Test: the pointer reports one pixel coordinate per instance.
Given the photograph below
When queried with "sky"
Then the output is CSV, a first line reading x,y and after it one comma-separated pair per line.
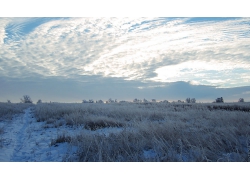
x,y
68,59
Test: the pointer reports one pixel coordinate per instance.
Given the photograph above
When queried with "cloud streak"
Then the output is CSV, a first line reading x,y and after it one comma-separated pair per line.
x,y
142,49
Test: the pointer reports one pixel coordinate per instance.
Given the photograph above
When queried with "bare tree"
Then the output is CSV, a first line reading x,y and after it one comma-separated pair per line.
x,y
39,101
241,100
26,99
193,100
99,101
110,100
188,100
85,101
136,100
91,101
8,101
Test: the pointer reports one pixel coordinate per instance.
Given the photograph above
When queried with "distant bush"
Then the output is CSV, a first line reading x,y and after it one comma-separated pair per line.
x,y
100,101
85,101
193,100
189,100
219,100
39,101
26,99
241,100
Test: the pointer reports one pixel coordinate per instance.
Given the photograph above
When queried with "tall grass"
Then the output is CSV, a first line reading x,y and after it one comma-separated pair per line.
x,y
154,131
7,110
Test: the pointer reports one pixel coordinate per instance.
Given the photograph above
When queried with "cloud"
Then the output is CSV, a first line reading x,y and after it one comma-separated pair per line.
x,y
58,89
139,49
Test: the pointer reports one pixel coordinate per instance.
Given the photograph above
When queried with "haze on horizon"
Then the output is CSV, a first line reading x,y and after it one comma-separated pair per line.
x,y
71,59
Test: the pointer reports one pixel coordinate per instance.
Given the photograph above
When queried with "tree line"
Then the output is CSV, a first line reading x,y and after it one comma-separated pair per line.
x,y
27,99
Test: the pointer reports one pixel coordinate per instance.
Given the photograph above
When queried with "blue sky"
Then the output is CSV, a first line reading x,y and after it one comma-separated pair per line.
x,y
70,59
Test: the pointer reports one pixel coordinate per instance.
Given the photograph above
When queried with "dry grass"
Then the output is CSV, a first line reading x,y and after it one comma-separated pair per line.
x,y
171,132
7,110
1,133
60,139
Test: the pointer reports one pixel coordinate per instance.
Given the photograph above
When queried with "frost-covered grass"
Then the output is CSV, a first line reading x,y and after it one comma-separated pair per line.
x,y
7,110
1,138
152,131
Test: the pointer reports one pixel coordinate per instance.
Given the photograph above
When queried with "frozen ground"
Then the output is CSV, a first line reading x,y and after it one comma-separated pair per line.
x,y
115,132
25,139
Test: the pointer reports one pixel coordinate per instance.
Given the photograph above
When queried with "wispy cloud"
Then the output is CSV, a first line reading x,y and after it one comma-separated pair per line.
x,y
142,49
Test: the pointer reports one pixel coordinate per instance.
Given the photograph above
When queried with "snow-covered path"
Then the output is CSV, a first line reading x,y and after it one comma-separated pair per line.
x,y
20,135
25,139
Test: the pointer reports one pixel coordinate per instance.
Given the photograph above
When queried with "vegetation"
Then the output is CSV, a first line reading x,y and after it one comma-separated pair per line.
x,y
26,99
153,131
7,110
241,100
146,131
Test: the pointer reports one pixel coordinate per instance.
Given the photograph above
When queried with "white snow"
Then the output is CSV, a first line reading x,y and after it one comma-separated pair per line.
x,y
25,139
149,154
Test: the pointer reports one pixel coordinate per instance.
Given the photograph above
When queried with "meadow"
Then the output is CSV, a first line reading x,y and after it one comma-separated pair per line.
x,y
145,132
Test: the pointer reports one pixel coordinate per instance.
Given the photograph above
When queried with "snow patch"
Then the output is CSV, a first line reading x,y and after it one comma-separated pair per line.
x,y
25,139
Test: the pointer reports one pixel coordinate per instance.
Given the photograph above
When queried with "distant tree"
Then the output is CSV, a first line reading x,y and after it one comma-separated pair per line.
x,y
91,101
8,101
99,101
193,100
145,100
122,101
179,101
165,101
110,100
39,101
188,100
219,100
26,99
85,101
136,100
241,100
153,100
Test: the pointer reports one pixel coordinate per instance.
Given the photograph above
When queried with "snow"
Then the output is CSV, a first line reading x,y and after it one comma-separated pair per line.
x,y
148,154
25,139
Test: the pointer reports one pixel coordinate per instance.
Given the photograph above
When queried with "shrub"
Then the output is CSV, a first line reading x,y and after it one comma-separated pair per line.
x,y
241,100
193,100
26,99
219,100
39,101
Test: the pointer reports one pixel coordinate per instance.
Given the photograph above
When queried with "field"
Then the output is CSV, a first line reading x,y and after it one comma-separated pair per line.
x,y
125,132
